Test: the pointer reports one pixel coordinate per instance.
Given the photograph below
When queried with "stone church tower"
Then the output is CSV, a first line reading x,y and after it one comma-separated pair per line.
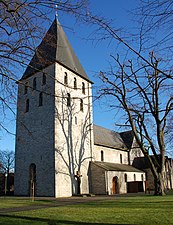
x,y
54,137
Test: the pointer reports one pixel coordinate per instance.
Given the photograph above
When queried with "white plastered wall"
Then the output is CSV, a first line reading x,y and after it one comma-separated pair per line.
x,y
135,151
121,180
81,137
110,155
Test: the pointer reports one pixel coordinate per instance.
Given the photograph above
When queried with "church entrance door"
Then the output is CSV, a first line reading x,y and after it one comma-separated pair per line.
x,y
115,185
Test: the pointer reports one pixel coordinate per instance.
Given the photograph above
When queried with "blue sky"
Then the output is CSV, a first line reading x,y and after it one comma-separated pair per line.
x,y
94,56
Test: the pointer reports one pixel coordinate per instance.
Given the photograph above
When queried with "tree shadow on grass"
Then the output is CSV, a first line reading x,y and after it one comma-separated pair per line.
x,y
48,221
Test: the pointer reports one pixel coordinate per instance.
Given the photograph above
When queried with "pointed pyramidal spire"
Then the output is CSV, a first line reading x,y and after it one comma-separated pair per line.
x,y
55,47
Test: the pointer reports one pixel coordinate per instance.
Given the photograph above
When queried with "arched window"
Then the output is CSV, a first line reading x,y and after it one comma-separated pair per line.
x,y
134,177
26,88
27,106
40,99
102,156
121,158
81,105
44,79
83,88
34,83
65,79
125,177
75,83
68,100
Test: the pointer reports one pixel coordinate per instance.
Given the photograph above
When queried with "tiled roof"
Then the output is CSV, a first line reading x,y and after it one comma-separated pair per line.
x,y
112,139
55,47
116,167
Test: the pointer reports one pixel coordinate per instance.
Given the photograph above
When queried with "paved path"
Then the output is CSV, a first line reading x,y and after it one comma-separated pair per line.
x,y
61,202
54,203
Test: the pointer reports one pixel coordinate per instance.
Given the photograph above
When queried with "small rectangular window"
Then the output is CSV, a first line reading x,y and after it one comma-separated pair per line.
x,y
83,88
121,158
44,79
134,177
102,156
66,79
40,99
27,106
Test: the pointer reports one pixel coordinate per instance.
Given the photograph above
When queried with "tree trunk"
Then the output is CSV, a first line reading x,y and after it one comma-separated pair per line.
x,y
159,185
8,181
73,184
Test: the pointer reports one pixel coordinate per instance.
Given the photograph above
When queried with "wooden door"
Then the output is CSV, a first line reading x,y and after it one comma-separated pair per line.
x,y
115,186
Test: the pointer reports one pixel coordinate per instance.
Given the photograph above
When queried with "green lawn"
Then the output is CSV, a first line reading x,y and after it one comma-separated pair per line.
x,y
13,202
130,210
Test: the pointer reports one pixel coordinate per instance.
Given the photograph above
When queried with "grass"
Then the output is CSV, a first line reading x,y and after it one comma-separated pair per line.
x,y
130,210
13,202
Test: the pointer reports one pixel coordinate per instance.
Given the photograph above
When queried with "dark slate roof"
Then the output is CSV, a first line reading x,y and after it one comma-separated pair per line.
x,y
116,167
112,139
55,47
141,163
128,137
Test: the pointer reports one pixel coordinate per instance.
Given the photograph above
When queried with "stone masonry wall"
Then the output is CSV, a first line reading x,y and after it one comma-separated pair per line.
x,y
98,180
35,136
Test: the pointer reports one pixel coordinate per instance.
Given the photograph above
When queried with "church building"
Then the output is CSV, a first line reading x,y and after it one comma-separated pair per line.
x,y
59,152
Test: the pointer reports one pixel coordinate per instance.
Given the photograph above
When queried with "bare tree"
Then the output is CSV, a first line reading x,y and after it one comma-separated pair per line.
x,y
135,93
21,28
7,165
7,161
145,96
155,23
